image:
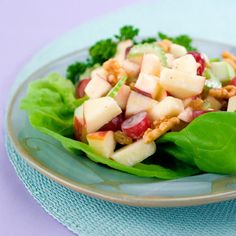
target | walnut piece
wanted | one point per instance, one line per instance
(114, 70)
(122, 138)
(165, 45)
(230, 58)
(196, 104)
(223, 93)
(161, 127)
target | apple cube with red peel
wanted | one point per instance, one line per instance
(136, 125)
(132, 69)
(99, 111)
(121, 50)
(180, 84)
(102, 142)
(80, 88)
(168, 107)
(79, 124)
(99, 72)
(97, 87)
(138, 102)
(148, 85)
(214, 103)
(232, 104)
(186, 64)
(151, 64)
(177, 50)
(122, 97)
(186, 115)
(134, 153)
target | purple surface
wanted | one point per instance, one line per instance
(25, 26)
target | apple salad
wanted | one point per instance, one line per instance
(145, 91)
(152, 107)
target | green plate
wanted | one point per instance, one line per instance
(80, 174)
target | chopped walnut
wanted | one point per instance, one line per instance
(196, 104)
(228, 55)
(165, 45)
(114, 70)
(122, 138)
(230, 58)
(223, 93)
(161, 127)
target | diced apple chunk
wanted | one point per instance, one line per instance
(232, 104)
(138, 102)
(148, 85)
(186, 64)
(121, 50)
(99, 111)
(214, 103)
(177, 50)
(122, 97)
(97, 87)
(79, 124)
(99, 72)
(102, 142)
(186, 115)
(162, 94)
(151, 64)
(168, 107)
(132, 69)
(134, 153)
(181, 85)
(170, 58)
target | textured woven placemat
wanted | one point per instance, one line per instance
(87, 216)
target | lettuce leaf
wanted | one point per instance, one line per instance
(50, 103)
(207, 143)
(144, 170)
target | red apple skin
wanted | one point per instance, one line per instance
(136, 125)
(233, 81)
(78, 126)
(79, 130)
(199, 59)
(114, 124)
(80, 87)
(199, 113)
(142, 92)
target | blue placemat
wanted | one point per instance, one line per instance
(89, 217)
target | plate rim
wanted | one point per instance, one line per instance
(125, 199)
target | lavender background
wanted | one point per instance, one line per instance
(26, 26)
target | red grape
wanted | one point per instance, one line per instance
(199, 59)
(233, 81)
(114, 124)
(136, 125)
(80, 87)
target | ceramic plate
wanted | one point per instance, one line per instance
(80, 174)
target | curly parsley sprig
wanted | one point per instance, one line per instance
(105, 49)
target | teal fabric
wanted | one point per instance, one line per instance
(89, 217)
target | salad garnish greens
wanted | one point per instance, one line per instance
(154, 107)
